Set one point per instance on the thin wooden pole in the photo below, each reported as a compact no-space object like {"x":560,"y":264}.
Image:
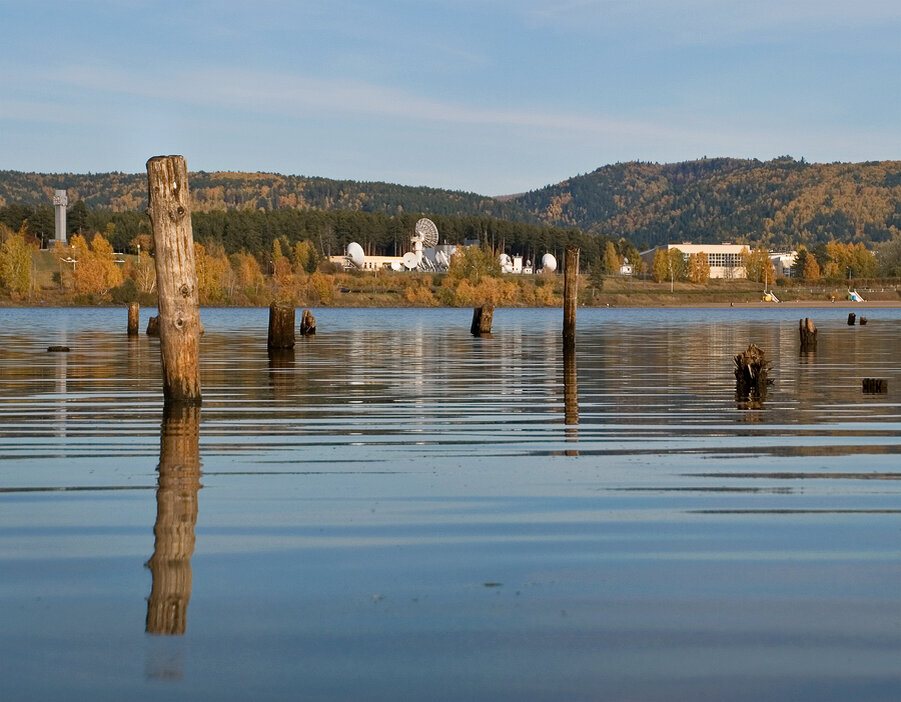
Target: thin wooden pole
{"x":134,"y":316}
{"x":173,"y":241}
{"x":570,"y":292}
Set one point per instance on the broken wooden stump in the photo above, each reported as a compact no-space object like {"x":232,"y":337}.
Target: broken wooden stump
{"x":281,"y":325}
{"x":176,"y":278}
{"x":482,"y":318}
{"x":134,"y":314}
{"x":307,"y":323}
{"x":808,"y":333}
{"x":751,"y":371}
{"x":570,"y":292}
{"x":57,"y":349}
{"x":851,"y":319}
{"x":153,"y":326}
{"x":875,"y":385}
{"x":862,"y":321}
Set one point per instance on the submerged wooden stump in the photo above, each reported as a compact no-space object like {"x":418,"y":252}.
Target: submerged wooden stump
{"x":808,"y":332}
{"x":875,"y":385}
{"x":153,"y":326}
{"x":482,"y":318}
{"x":851,"y":319}
{"x":134,"y":314}
{"x":751,"y":371}
{"x":281,"y":325}
{"x":58,"y":349}
{"x":307,"y":323}
{"x":863,"y":320}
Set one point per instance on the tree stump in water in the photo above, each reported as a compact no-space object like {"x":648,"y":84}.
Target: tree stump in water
{"x":281,"y":325}
{"x":751,"y":371}
{"x":482,"y":317}
{"x":134,"y":315}
{"x":851,"y":319}
{"x":863,"y":320}
{"x":153,"y":326}
{"x":808,"y":332}
{"x":875,"y":385}
{"x":307,"y":323}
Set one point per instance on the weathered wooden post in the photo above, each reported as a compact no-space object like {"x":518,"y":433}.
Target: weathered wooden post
{"x":862,"y":321}
{"x":307,"y":323}
{"x":134,"y":315}
{"x":281,"y":325}
{"x":176,"y":277}
{"x":751,"y":370}
{"x":570,"y":293}
{"x":482,"y":318}
{"x":153,"y":326}
{"x":176,"y":516}
{"x":875,"y":385}
{"x":851,"y":319}
{"x":808,"y":332}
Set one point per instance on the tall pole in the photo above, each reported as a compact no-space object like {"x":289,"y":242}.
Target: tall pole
{"x":570,"y":293}
{"x":176,"y":277}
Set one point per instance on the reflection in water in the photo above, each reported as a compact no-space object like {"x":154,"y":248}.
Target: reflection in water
{"x":570,"y":394}
{"x":281,"y":372}
{"x":176,"y":515}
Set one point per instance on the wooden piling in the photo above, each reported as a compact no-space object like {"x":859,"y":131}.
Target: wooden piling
{"x":875,"y":385}
{"x":176,"y":517}
{"x":173,"y":241}
{"x":751,"y":371}
{"x":153,"y":326}
{"x":570,"y":292}
{"x":307,"y":323}
{"x":134,"y":315}
{"x":862,"y":321}
{"x":851,"y":319}
{"x":482,"y":318}
{"x":808,"y":332}
{"x":281,"y":325}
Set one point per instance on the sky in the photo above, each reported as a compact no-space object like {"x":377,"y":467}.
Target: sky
{"x":488,"y":96}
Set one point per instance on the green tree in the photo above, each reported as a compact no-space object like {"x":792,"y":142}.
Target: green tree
{"x":472,"y":263}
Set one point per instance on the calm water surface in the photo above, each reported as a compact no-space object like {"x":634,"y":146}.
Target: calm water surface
{"x":400,"y":511}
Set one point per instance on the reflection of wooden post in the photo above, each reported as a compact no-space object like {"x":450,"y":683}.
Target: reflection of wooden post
{"x":281,"y":325}
{"x":570,"y":292}
{"x":281,"y":372}
{"x":307,"y":323}
{"x":153,"y":326}
{"x":570,"y":384}
{"x":176,"y":515}
{"x":176,"y":277}
{"x":808,"y":332}
{"x":482,"y":318}
{"x":134,"y":314}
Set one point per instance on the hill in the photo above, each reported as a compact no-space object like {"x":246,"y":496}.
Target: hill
{"x":780,"y":203}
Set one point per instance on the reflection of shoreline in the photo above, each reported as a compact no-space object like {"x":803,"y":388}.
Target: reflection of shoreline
{"x":176,"y":516}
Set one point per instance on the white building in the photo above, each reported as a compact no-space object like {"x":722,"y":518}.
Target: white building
{"x":724,"y":259}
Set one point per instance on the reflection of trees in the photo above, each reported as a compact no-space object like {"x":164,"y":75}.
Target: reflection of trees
{"x":176,"y":515}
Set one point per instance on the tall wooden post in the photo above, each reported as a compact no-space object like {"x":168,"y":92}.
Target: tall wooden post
{"x":176,"y":277}
{"x":176,"y":516}
{"x":482,"y":318}
{"x":808,"y":332}
{"x":134,"y":314}
{"x":570,"y":293}
{"x":281,"y":325}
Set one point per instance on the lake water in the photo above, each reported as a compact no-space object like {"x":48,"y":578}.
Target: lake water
{"x":400,"y":511}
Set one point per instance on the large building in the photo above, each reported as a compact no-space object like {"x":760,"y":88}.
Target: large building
{"x":724,"y":259}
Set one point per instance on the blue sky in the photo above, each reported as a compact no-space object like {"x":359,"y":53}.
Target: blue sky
{"x":488,"y":96}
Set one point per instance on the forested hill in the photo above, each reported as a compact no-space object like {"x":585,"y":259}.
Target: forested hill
{"x":781,"y":202}
{"x":223,"y":191}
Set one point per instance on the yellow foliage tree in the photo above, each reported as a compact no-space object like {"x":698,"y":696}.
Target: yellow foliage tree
{"x":698,"y":268}
{"x":15,"y":265}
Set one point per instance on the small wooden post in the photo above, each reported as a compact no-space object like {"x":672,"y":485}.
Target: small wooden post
{"x":153,"y":326}
{"x":307,"y":323}
{"x":134,"y":315}
{"x":875,"y":385}
{"x":176,"y":516}
{"x":751,"y":370}
{"x":862,"y":321}
{"x":808,"y":332}
{"x":281,"y":325}
{"x":851,"y":318}
{"x":176,"y":277}
{"x":570,"y":292}
{"x":482,"y":318}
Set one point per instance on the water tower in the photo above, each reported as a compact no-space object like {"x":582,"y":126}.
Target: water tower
{"x":60,"y":202}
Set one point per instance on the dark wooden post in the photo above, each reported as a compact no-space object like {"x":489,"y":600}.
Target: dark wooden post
{"x":482,"y":318}
{"x":134,"y":315}
{"x":176,"y":516}
{"x":281,"y":325}
{"x":875,"y":385}
{"x":851,"y":319}
{"x":176,"y":278}
{"x":153,"y":326}
{"x":862,"y":321}
{"x":570,"y":292}
{"x":307,"y":323}
{"x":808,"y":332}
{"x":751,"y":371}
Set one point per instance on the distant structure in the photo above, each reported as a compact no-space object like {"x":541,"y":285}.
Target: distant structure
{"x":60,"y":203}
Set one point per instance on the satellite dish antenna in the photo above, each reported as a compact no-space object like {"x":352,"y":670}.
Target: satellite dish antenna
{"x":548,"y":262}
{"x":426,"y":232}
{"x":397,"y":266}
{"x":355,"y":254}
{"x":411,"y":260}
{"x":442,"y":259}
